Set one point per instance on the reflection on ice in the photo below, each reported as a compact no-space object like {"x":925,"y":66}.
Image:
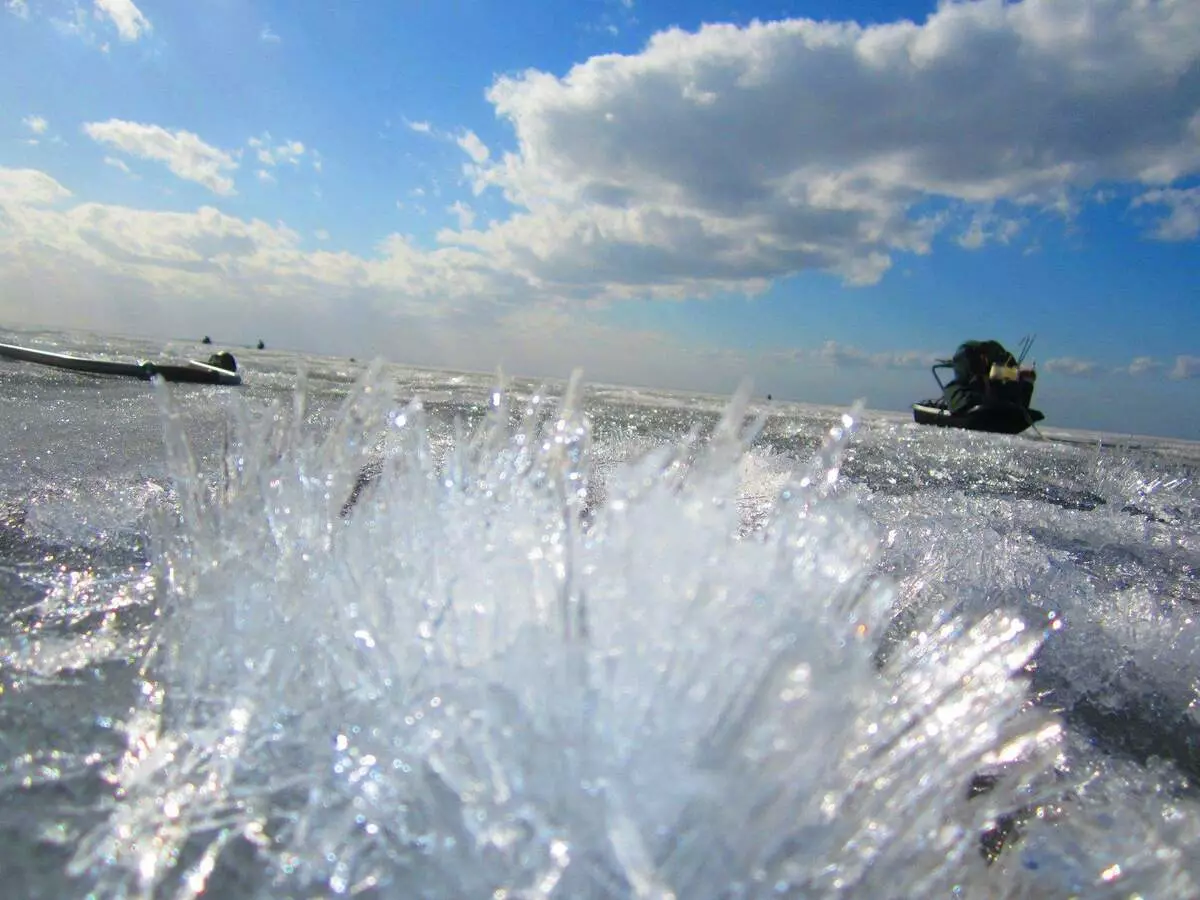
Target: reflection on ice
{"x":491,"y":676}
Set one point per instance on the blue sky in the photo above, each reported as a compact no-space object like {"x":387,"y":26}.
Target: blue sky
{"x":819,"y":196}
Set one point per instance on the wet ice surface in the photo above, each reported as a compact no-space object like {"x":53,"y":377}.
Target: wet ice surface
{"x":557,"y":648}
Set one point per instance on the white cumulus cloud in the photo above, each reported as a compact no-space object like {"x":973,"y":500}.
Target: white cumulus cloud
{"x":183,"y":152}
{"x":36,"y":124}
{"x":730,"y":155}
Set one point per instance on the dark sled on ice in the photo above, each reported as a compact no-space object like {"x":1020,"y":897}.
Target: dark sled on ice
{"x":990,"y":391}
{"x":221,"y":368}
{"x":997,"y":418}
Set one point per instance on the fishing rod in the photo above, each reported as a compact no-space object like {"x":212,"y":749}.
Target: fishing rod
{"x":1026,"y":344}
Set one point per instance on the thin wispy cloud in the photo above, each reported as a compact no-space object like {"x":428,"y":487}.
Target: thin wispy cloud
{"x":473,"y":147}
{"x":1079,"y":368}
{"x":841,"y":355}
{"x":1182,"y":222}
{"x":129,"y":21}
{"x":1143,"y":365}
{"x":273,"y":154}
{"x":986,"y":226}
{"x":118,"y":164}
{"x":89,"y":23}
{"x":182,"y":152}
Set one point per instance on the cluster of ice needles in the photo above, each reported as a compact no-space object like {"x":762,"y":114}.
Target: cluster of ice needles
{"x":391,"y":668}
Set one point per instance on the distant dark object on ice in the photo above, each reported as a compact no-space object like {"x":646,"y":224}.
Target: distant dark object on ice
{"x":261,"y":345}
{"x":223,"y":360}
{"x":990,"y":391}
{"x":207,"y":340}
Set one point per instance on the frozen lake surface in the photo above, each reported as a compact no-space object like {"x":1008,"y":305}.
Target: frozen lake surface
{"x":397,"y":633}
